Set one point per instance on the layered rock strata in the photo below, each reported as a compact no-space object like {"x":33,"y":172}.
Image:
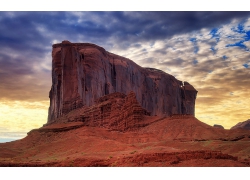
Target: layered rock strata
{"x":84,"y":72}
{"x":115,"y":111}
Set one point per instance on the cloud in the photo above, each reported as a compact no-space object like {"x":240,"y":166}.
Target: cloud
{"x":12,"y":135}
{"x":195,"y":61}
{"x":240,"y":29}
{"x":22,"y":116}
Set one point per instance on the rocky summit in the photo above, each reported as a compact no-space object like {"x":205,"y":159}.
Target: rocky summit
{"x":84,"y":73}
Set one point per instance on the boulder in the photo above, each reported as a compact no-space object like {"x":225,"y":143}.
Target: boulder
{"x":218,"y":126}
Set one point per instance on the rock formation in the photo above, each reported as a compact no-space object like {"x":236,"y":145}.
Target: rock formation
{"x":114,"y":111}
{"x":242,"y":125}
{"x":218,"y":126}
{"x":82,"y":73}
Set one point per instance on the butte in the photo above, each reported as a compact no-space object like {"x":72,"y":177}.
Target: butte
{"x":99,"y":88}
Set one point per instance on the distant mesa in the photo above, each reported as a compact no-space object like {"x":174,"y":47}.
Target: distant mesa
{"x":87,"y":78}
{"x":242,"y":125}
{"x":218,"y":126}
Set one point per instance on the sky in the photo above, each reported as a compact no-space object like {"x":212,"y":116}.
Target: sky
{"x":209,"y":49}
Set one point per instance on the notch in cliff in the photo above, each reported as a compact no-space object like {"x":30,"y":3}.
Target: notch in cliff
{"x":83,"y":73}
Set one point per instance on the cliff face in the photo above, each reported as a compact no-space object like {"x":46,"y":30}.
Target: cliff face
{"x":83,"y":72}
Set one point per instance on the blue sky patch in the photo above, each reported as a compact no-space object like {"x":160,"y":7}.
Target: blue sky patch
{"x":194,"y":41}
{"x":215,"y":34}
{"x":245,"y":65}
{"x":247,"y":37}
{"x":240,"y":44}
{"x":224,"y":57}
{"x":239,"y":28}
{"x":3,"y":140}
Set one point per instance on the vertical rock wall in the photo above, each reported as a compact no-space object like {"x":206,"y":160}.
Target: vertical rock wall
{"x":83,"y":72}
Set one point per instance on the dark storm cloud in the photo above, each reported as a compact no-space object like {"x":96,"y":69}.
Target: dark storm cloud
{"x":22,"y":27}
{"x":146,"y":26}
{"x":19,"y":31}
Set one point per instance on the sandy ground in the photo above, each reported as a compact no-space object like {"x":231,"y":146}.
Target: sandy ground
{"x":168,"y":142}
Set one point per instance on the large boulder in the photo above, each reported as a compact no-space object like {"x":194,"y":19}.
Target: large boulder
{"x":84,"y":72}
{"x":218,"y":126}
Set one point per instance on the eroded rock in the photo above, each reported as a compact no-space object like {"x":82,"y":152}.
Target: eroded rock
{"x":84,"y":72}
{"x":115,"y":111}
{"x":218,"y":126}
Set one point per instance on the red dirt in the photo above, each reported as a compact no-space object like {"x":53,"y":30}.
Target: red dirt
{"x":176,"y":141}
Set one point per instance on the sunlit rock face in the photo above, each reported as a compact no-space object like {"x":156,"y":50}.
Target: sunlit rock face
{"x":84,"y":72}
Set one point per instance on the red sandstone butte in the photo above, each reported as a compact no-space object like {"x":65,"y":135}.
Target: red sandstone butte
{"x":84,"y":72}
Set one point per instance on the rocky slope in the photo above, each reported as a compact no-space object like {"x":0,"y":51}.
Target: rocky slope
{"x":174,"y":141}
{"x":242,"y":125}
{"x":83,"y":72}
